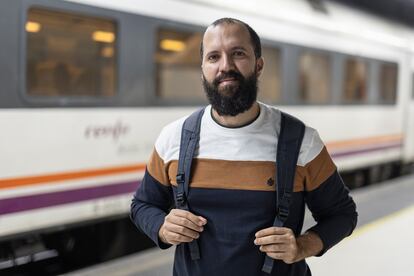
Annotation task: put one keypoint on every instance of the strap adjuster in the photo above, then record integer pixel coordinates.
(180, 178)
(180, 199)
(283, 213)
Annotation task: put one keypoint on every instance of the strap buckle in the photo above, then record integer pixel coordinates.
(180, 178)
(180, 197)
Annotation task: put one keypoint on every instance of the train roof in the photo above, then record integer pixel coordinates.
(333, 18)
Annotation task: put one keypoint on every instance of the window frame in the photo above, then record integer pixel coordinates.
(67, 101)
(382, 101)
(281, 48)
(412, 85)
(369, 82)
(333, 71)
(154, 100)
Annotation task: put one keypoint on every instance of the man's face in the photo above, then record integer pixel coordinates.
(230, 68)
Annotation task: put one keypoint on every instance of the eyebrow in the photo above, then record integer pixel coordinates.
(212, 52)
(233, 48)
(239, 48)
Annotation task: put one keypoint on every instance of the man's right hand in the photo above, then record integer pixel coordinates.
(181, 226)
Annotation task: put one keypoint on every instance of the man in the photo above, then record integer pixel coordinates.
(232, 189)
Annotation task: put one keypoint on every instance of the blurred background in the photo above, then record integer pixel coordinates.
(87, 85)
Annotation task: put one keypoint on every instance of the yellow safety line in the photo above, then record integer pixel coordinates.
(376, 223)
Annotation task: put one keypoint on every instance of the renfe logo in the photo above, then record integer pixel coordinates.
(104, 131)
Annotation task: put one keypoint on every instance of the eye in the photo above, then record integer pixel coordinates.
(212, 57)
(239, 53)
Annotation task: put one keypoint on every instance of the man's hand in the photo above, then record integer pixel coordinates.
(181, 226)
(280, 243)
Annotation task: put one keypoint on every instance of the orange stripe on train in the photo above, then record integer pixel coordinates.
(41, 179)
(364, 141)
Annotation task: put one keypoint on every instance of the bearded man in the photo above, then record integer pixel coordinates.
(232, 188)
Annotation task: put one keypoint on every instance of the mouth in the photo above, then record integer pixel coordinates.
(227, 81)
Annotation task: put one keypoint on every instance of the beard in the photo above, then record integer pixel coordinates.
(231, 100)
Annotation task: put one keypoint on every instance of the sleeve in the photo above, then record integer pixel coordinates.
(152, 200)
(328, 199)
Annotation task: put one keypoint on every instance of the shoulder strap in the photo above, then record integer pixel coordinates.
(290, 139)
(190, 136)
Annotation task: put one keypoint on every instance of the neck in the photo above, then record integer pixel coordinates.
(238, 120)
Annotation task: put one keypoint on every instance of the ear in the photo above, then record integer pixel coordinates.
(259, 66)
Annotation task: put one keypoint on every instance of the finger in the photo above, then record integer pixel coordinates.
(182, 230)
(272, 239)
(177, 238)
(184, 222)
(198, 220)
(174, 242)
(275, 248)
(182, 240)
(272, 231)
(275, 239)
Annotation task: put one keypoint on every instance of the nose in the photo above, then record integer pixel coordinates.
(226, 63)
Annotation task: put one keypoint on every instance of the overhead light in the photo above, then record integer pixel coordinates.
(101, 36)
(33, 27)
(172, 45)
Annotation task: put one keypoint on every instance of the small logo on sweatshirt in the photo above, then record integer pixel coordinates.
(270, 182)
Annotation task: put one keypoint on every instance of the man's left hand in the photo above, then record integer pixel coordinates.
(279, 243)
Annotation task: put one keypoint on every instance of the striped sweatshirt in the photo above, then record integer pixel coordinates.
(233, 187)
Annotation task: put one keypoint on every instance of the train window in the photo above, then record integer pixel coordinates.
(70, 54)
(269, 88)
(355, 82)
(388, 82)
(178, 66)
(314, 78)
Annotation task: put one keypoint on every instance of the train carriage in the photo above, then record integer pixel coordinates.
(87, 85)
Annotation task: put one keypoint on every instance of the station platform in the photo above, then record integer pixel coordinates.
(382, 244)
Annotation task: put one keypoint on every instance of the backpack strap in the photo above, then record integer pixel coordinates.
(190, 136)
(290, 139)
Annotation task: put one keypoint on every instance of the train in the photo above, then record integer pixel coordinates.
(87, 85)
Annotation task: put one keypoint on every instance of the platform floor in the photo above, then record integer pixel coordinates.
(383, 247)
(382, 244)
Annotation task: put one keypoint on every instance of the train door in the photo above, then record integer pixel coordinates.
(409, 138)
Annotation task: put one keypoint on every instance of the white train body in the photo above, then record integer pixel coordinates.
(61, 166)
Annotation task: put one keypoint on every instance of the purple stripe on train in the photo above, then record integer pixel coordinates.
(29, 202)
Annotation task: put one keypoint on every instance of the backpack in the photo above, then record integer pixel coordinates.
(290, 139)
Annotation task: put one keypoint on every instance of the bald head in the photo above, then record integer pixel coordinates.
(254, 38)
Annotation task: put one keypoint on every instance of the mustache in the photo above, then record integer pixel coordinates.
(227, 75)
